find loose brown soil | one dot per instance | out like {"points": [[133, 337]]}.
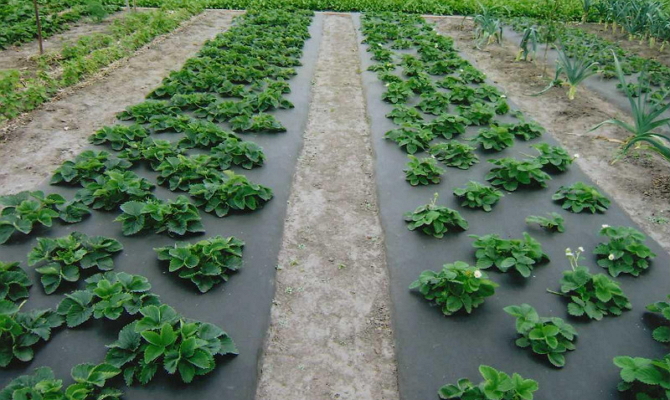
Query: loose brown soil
{"points": [[330, 334], [631, 46], [21, 57], [639, 182], [32, 148]]}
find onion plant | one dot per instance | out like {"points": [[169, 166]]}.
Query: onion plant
{"points": [[575, 70], [488, 28], [647, 119]]}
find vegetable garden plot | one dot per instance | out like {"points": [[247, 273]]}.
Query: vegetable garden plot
{"points": [[240, 306], [434, 350]]}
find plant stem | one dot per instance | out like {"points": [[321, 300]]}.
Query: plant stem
{"points": [[556, 293], [39, 26]]}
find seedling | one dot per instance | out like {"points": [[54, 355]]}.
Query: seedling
{"points": [[476, 195], [435, 220], [521, 254], [422, 171], [625, 253], [580, 197]]}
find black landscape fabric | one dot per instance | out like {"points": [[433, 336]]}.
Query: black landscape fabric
{"points": [[240, 306], [434, 350]]}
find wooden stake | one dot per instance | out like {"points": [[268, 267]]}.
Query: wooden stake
{"points": [[39, 26]]}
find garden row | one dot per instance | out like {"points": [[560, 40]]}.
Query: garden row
{"points": [[439, 103], [239, 80], [22, 91], [17, 18]]}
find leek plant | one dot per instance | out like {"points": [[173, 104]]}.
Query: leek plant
{"points": [[575, 70], [488, 28], [647, 119], [528, 45]]}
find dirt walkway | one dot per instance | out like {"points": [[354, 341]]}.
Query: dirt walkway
{"points": [[640, 183], [59, 130], [330, 334], [18, 57]]}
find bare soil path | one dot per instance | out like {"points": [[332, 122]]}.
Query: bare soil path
{"points": [[18, 57], [59, 130], [330, 334], [640, 183]]}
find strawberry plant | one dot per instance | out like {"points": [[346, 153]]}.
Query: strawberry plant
{"points": [[234, 151], [495, 138], [230, 191], [256, 123], [223, 111], [441, 67], [176, 217], [86, 166], [205, 263], [153, 151], [552, 222], [454, 154], [203, 135], [521, 254], [477, 113], [476, 195], [64, 257], [579, 197], [108, 296], [267, 100], [421, 83], [14, 282], [22, 211], [422, 171], [447, 126], [643, 377], [434, 220], [470, 74], [192, 101], [410, 138], [119, 136], [21, 331], [592, 295], [553, 158], [552, 337], [526, 130], [112, 188], [40, 385], [435, 103], [487, 93], [460, 93], [497, 385], [404, 115], [164, 339], [625, 253], [397, 92], [169, 123], [501, 106], [661, 333], [181, 172], [456, 287], [512, 174], [142, 112]]}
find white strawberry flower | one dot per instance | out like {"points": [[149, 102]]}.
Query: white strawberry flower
{"points": [[611, 257], [478, 274]]}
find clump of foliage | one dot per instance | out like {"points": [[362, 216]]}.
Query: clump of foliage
{"points": [[14, 282], [152, 151], [109, 296], [435, 220], [575, 70], [552, 222], [625, 253], [552, 337], [181, 172], [22, 211], [645, 378], [477, 113], [422, 171], [64, 257], [553, 158], [204, 135], [521, 254], [411, 139], [454, 154], [205, 263], [511, 173], [230, 191], [119, 136], [476, 195], [497, 385], [164, 339], [86, 166], [176, 217], [495, 138], [397, 92], [234, 151], [142, 112], [661, 333], [404, 115], [435, 103], [260, 122], [592, 295], [456, 287], [579, 197], [21, 331], [109, 190], [447, 126], [526, 130]]}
